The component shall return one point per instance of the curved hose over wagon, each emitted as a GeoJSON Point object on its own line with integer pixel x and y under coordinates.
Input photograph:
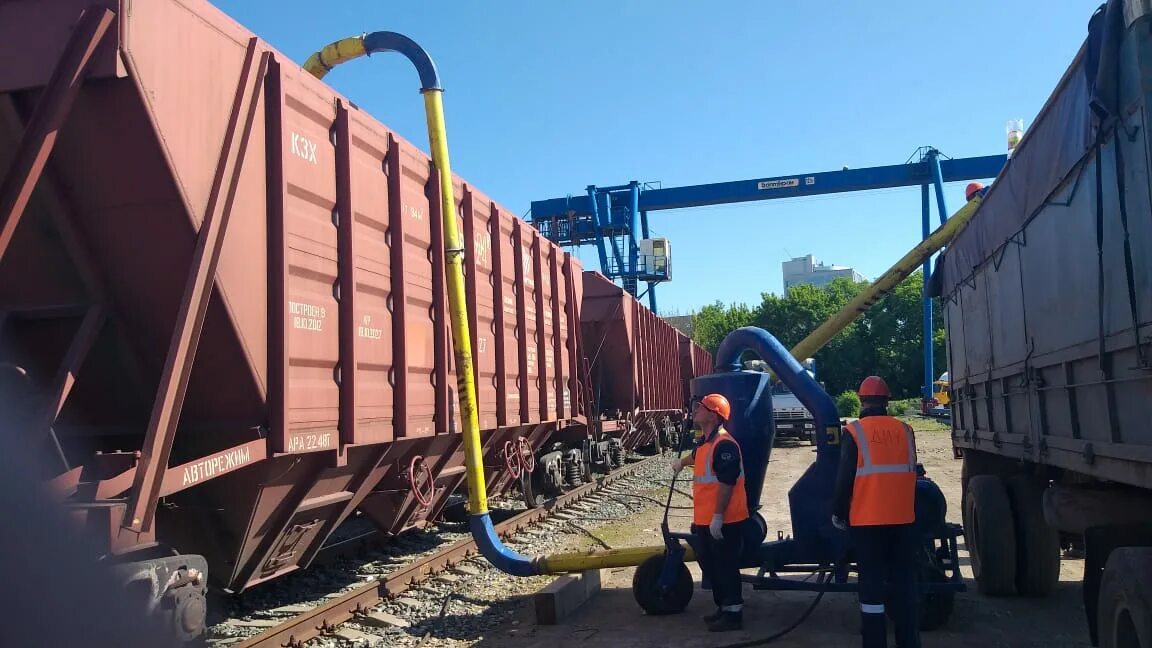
{"type": "Point", "coordinates": [319, 64]}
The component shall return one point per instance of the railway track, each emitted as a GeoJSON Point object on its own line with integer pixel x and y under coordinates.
{"type": "Point", "coordinates": [357, 605]}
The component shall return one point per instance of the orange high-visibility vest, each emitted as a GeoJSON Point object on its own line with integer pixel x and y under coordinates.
{"type": "Point", "coordinates": [706, 487]}
{"type": "Point", "coordinates": [884, 492]}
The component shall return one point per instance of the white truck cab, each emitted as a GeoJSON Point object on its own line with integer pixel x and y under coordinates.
{"type": "Point", "coordinates": [792, 420]}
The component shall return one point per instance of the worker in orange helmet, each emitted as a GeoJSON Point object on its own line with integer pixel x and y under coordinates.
{"type": "Point", "coordinates": [972, 189]}
{"type": "Point", "coordinates": [874, 500]}
{"type": "Point", "coordinates": [720, 510]}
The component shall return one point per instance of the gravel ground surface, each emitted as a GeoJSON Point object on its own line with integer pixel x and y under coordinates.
{"type": "Point", "coordinates": [459, 608]}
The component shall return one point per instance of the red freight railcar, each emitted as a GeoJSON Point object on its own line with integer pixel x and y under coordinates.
{"type": "Point", "coordinates": [226, 297]}
{"type": "Point", "coordinates": [633, 358]}
{"type": "Point", "coordinates": [694, 361]}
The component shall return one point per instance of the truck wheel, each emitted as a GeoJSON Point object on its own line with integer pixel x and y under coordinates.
{"type": "Point", "coordinates": [1037, 544]}
{"type": "Point", "coordinates": [655, 599]}
{"type": "Point", "coordinates": [1125, 611]}
{"type": "Point", "coordinates": [990, 535]}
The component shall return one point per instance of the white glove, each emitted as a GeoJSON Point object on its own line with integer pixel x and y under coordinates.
{"type": "Point", "coordinates": [838, 523]}
{"type": "Point", "coordinates": [676, 465]}
{"type": "Point", "coordinates": [716, 527]}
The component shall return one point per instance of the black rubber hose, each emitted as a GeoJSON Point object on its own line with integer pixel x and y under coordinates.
{"type": "Point", "coordinates": [785, 631]}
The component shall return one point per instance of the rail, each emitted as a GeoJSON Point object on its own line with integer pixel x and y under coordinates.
{"type": "Point", "coordinates": [326, 618]}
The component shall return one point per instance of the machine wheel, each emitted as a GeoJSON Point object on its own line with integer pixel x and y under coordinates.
{"type": "Point", "coordinates": [761, 527]}
{"type": "Point", "coordinates": [1125, 611]}
{"type": "Point", "coordinates": [935, 608]}
{"type": "Point", "coordinates": [653, 598]}
{"type": "Point", "coordinates": [990, 535]}
{"type": "Point", "coordinates": [1037, 544]}
{"type": "Point", "coordinates": [755, 531]}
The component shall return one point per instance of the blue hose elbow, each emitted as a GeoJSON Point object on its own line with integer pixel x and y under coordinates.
{"type": "Point", "coordinates": [501, 557]}
{"type": "Point", "coordinates": [383, 41]}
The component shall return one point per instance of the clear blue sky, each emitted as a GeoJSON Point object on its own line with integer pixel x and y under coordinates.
{"type": "Point", "coordinates": [545, 98]}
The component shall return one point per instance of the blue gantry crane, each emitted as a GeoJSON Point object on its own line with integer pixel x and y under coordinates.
{"type": "Point", "coordinates": [611, 217]}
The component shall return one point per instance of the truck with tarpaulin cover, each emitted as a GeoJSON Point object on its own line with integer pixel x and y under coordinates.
{"type": "Point", "coordinates": [1048, 300]}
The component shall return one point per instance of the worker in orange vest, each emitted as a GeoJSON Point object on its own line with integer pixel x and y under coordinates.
{"type": "Point", "coordinates": [720, 509]}
{"type": "Point", "coordinates": [874, 500]}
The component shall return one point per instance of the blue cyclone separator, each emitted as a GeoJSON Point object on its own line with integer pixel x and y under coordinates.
{"type": "Point", "coordinates": [810, 498]}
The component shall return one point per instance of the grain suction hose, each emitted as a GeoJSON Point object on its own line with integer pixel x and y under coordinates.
{"type": "Point", "coordinates": [319, 64]}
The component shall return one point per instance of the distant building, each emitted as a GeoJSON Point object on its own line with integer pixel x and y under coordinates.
{"type": "Point", "coordinates": [807, 270]}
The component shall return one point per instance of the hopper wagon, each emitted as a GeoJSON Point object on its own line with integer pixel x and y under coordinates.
{"type": "Point", "coordinates": [634, 383]}
{"type": "Point", "coordinates": [222, 302]}
{"type": "Point", "coordinates": [694, 362]}
{"type": "Point", "coordinates": [635, 369]}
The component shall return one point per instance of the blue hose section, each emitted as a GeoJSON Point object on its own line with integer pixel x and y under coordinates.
{"type": "Point", "coordinates": [790, 372]}
{"type": "Point", "coordinates": [384, 41]}
{"type": "Point", "coordinates": [495, 552]}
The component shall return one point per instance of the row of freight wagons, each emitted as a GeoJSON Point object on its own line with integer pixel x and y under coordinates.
{"type": "Point", "coordinates": [223, 314]}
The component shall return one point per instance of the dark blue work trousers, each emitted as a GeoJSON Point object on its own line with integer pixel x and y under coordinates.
{"type": "Point", "coordinates": [719, 560]}
{"type": "Point", "coordinates": [886, 557]}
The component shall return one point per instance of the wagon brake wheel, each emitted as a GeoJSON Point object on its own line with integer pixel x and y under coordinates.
{"type": "Point", "coordinates": [526, 456]}
{"type": "Point", "coordinates": [511, 461]}
{"type": "Point", "coordinates": [425, 500]}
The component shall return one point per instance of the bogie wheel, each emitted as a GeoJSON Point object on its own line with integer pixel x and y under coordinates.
{"type": "Point", "coordinates": [1037, 544]}
{"type": "Point", "coordinates": [609, 461]}
{"type": "Point", "coordinates": [653, 598]}
{"type": "Point", "coordinates": [586, 462]}
{"type": "Point", "coordinates": [990, 535]}
{"type": "Point", "coordinates": [1125, 610]}
{"type": "Point", "coordinates": [530, 488]}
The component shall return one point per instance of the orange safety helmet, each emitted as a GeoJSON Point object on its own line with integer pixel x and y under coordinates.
{"type": "Point", "coordinates": [874, 387]}
{"type": "Point", "coordinates": [718, 405]}
{"type": "Point", "coordinates": [971, 190]}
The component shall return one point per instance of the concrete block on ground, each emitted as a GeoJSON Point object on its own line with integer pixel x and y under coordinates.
{"type": "Point", "coordinates": [565, 595]}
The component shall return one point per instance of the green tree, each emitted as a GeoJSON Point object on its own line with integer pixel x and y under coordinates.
{"type": "Point", "coordinates": [848, 404]}
{"type": "Point", "coordinates": [885, 340]}
{"type": "Point", "coordinates": [715, 321]}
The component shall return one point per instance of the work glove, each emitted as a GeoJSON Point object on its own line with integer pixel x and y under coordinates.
{"type": "Point", "coordinates": [675, 465]}
{"type": "Point", "coordinates": [716, 527]}
{"type": "Point", "coordinates": [839, 523]}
